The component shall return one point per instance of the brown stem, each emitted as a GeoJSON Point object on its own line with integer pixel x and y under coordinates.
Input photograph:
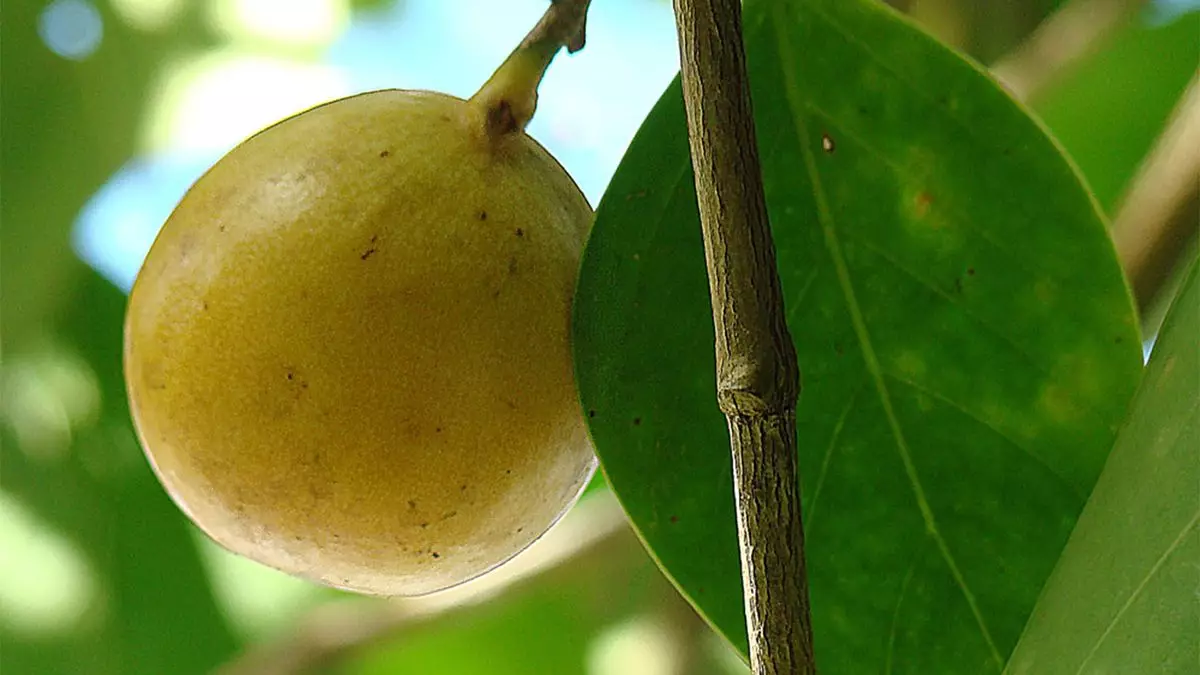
{"type": "Point", "coordinates": [564, 24]}
{"type": "Point", "coordinates": [1160, 212]}
{"type": "Point", "coordinates": [758, 378]}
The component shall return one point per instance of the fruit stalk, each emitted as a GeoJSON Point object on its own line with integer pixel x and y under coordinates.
{"type": "Point", "coordinates": [758, 379]}
{"type": "Point", "coordinates": [508, 99]}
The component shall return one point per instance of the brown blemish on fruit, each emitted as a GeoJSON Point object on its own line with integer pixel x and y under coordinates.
{"type": "Point", "coordinates": [370, 251]}
{"type": "Point", "coordinates": [483, 215]}
{"type": "Point", "coordinates": [500, 119]}
{"type": "Point", "coordinates": [519, 232]}
{"type": "Point", "coordinates": [637, 421]}
{"type": "Point", "coordinates": [384, 154]}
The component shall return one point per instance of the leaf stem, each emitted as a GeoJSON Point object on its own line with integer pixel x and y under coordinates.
{"type": "Point", "coordinates": [758, 378]}
{"type": "Point", "coordinates": [509, 98]}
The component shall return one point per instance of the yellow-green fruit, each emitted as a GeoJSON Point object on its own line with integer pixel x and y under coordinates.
{"type": "Point", "coordinates": [348, 351]}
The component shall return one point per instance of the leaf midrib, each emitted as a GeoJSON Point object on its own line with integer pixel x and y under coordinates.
{"type": "Point", "coordinates": [833, 245]}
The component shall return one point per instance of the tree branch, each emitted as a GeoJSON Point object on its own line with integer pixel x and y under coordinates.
{"type": "Point", "coordinates": [1160, 212]}
{"type": "Point", "coordinates": [758, 378]}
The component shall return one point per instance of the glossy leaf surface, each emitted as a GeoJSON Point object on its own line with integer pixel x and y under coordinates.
{"type": "Point", "coordinates": [967, 342]}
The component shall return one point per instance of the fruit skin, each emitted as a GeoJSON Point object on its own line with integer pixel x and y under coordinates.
{"type": "Point", "coordinates": [348, 354]}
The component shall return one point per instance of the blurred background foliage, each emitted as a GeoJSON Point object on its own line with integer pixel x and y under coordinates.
{"type": "Point", "coordinates": [110, 108]}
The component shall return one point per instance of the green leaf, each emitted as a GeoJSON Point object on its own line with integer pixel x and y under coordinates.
{"type": "Point", "coordinates": [1136, 82]}
{"type": "Point", "coordinates": [1123, 596]}
{"type": "Point", "coordinates": [967, 342]}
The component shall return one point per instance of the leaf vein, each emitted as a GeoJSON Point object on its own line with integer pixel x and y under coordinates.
{"type": "Point", "coordinates": [810, 512]}
{"type": "Point", "coordinates": [928, 391]}
{"type": "Point", "coordinates": [891, 642]}
{"type": "Point", "coordinates": [825, 218]}
{"type": "Point", "coordinates": [1137, 592]}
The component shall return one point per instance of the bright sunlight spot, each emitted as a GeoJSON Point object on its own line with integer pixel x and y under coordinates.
{"type": "Point", "coordinates": [210, 103]}
{"type": "Point", "coordinates": [641, 646]}
{"type": "Point", "coordinates": [45, 396]}
{"type": "Point", "coordinates": [292, 22]}
{"type": "Point", "coordinates": [148, 15]}
{"type": "Point", "coordinates": [45, 583]}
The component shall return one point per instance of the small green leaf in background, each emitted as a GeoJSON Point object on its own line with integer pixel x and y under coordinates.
{"type": "Point", "coordinates": [1123, 597]}
{"type": "Point", "coordinates": [967, 342]}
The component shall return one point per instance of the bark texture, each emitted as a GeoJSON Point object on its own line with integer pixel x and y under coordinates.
{"type": "Point", "coordinates": [758, 379]}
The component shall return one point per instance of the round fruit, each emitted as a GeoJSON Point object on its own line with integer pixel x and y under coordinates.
{"type": "Point", "coordinates": [348, 351]}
